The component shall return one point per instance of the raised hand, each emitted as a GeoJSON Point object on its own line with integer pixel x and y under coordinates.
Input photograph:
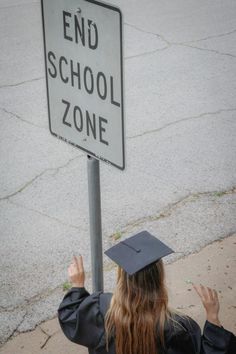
{"type": "Point", "coordinates": [76, 272]}
{"type": "Point", "coordinates": [210, 301]}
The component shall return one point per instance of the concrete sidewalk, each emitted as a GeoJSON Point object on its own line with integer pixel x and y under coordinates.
{"type": "Point", "coordinates": [213, 266]}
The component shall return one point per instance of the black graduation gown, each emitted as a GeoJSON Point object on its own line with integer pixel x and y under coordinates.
{"type": "Point", "coordinates": [81, 317]}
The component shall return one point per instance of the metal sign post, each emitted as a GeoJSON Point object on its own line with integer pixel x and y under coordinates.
{"type": "Point", "coordinates": [95, 223]}
{"type": "Point", "coordinates": [83, 45]}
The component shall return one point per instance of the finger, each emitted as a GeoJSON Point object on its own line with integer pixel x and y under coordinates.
{"type": "Point", "coordinates": [70, 271]}
{"type": "Point", "coordinates": [80, 263]}
{"type": "Point", "coordinates": [204, 292]}
{"type": "Point", "coordinates": [210, 294]}
{"type": "Point", "coordinates": [198, 290]}
{"type": "Point", "coordinates": [215, 294]}
{"type": "Point", "coordinates": [72, 268]}
{"type": "Point", "coordinates": [75, 262]}
{"type": "Point", "coordinates": [72, 265]}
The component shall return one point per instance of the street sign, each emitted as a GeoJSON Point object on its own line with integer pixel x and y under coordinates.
{"type": "Point", "coordinates": [84, 75]}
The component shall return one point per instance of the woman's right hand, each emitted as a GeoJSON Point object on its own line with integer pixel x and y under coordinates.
{"type": "Point", "coordinates": [210, 301]}
{"type": "Point", "coordinates": [76, 272]}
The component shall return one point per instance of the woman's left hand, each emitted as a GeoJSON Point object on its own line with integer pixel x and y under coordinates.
{"type": "Point", "coordinates": [210, 301]}
{"type": "Point", "coordinates": [76, 272]}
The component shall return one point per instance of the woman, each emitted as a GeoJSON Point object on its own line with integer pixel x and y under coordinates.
{"type": "Point", "coordinates": [136, 319]}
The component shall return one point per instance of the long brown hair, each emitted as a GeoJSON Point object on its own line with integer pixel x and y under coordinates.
{"type": "Point", "coordinates": [138, 311]}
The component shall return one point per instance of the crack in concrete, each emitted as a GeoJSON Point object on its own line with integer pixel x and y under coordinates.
{"type": "Point", "coordinates": [182, 120]}
{"type": "Point", "coordinates": [169, 209]}
{"type": "Point", "coordinates": [45, 215]}
{"type": "Point", "coordinates": [158, 36]}
{"type": "Point", "coordinates": [3, 309]}
{"type": "Point", "coordinates": [146, 53]}
{"type": "Point", "coordinates": [149, 32]}
{"type": "Point", "coordinates": [32, 300]}
{"type": "Point", "coordinates": [27, 184]}
{"type": "Point", "coordinates": [210, 37]}
{"type": "Point", "coordinates": [17, 327]}
{"type": "Point", "coordinates": [22, 82]}
{"type": "Point", "coordinates": [47, 339]}
{"type": "Point", "coordinates": [185, 44]}
{"type": "Point", "coordinates": [14, 115]}
{"type": "Point", "coordinates": [206, 49]}
{"type": "Point", "coordinates": [45, 343]}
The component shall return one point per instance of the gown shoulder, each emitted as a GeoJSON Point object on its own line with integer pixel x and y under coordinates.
{"type": "Point", "coordinates": [81, 316]}
{"type": "Point", "coordinates": [184, 336]}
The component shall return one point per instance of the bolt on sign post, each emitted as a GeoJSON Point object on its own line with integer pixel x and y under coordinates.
{"type": "Point", "coordinates": [84, 76]}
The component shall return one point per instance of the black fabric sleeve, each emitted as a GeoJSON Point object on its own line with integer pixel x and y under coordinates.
{"type": "Point", "coordinates": [217, 340]}
{"type": "Point", "coordinates": [184, 337]}
{"type": "Point", "coordinates": [80, 317]}
{"type": "Point", "coordinates": [187, 339]}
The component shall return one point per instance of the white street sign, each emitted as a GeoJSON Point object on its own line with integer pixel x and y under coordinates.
{"type": "Point", "coordinates": [84, 73]}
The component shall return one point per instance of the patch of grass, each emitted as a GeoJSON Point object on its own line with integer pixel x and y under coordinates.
{"type": "Point", "coordinates": [116, 236]}
{"type": "Point", "coordinates": [66, 286]}
{"type": "Point", "coordinates": [219, 194]}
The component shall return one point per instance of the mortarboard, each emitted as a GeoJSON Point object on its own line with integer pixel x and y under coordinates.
{"type": "Point", "coordinates": [138, 251]}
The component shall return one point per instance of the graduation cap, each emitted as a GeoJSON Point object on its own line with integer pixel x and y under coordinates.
{"type": "Point", "coordinates": [138, 252]}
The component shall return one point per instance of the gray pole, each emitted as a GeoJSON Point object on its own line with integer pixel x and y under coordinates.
{"type": "Point", "coordinates": [95, 223]}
